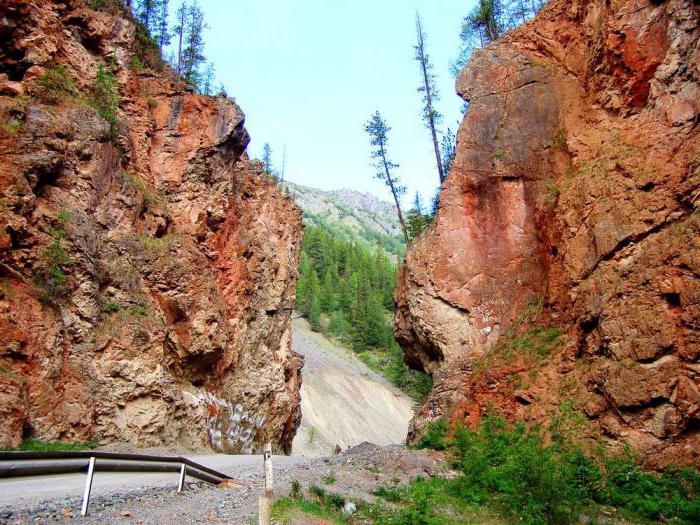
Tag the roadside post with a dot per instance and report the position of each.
(265, 501)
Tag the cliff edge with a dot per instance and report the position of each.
(564, 262)
(147, 267)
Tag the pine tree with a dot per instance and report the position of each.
(267, 158)
(448, 151)
(146, 13)
(208, 80)
(161, 32)
(378, 132)
(179, 29)
(314, 302)
(431, 117)
(192, 55)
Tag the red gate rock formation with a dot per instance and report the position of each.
(147, 268)
(564, 263)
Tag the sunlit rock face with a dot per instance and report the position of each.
(171, 322)
(573, 203)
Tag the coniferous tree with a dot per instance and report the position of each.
(208, 80)
(179, 29)
(267, 158)
(192, 55)
(488, 21)
(378, 132)
(146, 13)
(431, 117)
(161, 31)
(448, 151)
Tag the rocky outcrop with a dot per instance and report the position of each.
(147, 266)
(564, 262)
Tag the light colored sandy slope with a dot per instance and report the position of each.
(342, 401)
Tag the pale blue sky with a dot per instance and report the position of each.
(309, 73)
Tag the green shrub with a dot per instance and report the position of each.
(50, 277)
(37, 445)
(329, 480)
(111, 307)
(57, 84)
(541, 475)
(105, 97)
(295, 489)
(435, 436)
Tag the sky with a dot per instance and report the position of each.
(309, 73)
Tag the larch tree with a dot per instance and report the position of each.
(193, 53)
(145, 13)
(431, 117)
(208, 80)
(448, 146)
(267, 158)
(161, 31)
(179, 30)
(378, 132)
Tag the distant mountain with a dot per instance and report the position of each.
(352, 214)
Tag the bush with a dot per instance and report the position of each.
(105, 97)
(57, 84)
(540, 475)
(50, 277)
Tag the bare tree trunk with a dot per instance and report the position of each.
(429, 97)
(390, 181)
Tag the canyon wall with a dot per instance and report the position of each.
(147, 266)
(564, 262)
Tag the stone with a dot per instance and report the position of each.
(572, 202)
(172, 324)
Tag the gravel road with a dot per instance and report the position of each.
(358, 471)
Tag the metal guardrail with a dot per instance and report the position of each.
(45, 463)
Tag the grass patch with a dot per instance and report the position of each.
(149, 198)
(36, 445)
(57, 85)
(499, 154)
(329, 479)
(552, 192)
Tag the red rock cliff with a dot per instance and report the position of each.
(147, 271)
(572, 209)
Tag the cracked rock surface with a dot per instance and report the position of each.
(574, 192)
(147, 270)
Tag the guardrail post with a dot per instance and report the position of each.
(265, 502)
(181, 484)
(88, 487)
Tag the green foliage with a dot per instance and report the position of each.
(50, 277)
(389, 363)
(11, 127)
(311, 434)
(552, 192)
(499, 154)
(329, 480)
(149, 198)
(352, 286)
(36, 445)
(111, 307)
(488, 20)
(541, 475)
(57, 84)
(295, 489)
(105, 97)
(434, 436)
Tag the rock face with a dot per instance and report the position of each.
(147, 268)
(570, 220)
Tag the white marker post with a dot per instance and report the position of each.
(265, 502)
